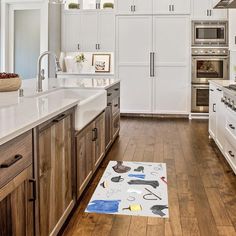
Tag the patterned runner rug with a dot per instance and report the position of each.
(132, 188)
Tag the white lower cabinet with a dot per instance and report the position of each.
(222, 125)
(217, 118)
(153, 64)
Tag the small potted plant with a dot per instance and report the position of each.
(80, 59)
(107, 5)
(9, 82)
(73, 5)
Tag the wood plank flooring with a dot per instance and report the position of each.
(201, 185)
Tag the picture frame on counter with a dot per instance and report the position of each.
(102, 63)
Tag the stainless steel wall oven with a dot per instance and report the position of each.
(207, 64)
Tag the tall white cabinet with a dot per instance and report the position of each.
(153, 56)
(134, 42)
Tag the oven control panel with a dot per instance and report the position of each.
(229, 100)
(210, 51)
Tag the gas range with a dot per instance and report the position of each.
(229, 98)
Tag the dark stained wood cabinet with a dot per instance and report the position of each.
(99, 140)
(16, 205)
(112, 116)
(55, 163)
(16, 187)
(90, 150)
(85, 155)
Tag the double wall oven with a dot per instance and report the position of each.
(208, 62)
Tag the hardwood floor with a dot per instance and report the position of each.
(201, 185)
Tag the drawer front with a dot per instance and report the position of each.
(231, 124)
(115, 105)
(15, 156)
(230, 154)
(113, 92)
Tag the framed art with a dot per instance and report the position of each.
(102, 63)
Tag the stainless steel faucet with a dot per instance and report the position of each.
(41, 72)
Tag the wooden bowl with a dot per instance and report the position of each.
(10, 84)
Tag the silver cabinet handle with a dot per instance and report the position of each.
(134, 8)
(131, 8)
(78, 46)
(207, 12)
(173, 7)
(99, 46)
(210, 12)
(169, 7)
(150, 64)
(153, 64)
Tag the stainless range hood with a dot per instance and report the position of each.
(225, 4)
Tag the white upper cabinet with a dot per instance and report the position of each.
(203, 9)
(106, 31)
(124, 6)
(142, 6)
(134, 6)
(181, 7)
(71, 32)
(232, 29)
(171, 7)
(88, 31)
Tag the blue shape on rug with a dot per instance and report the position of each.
(139, 176)
(104, 206)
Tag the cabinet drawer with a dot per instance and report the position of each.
(115, 105)
(15, 156)
(230, 154)
(113, 92)
(231, 124)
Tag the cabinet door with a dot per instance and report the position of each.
(72, 33)
(108, 125)
(89, 31)
(124, 6)
(55, 157)
(171, 90)
(201, 9)
(220, 119)
(106, 31)
(143, 7)
(100, 139)
(16, 209)
(212, 111)
(133, 61)
(181, 7)
(221, 14)
(171, 49)
(232, 30)
(84, 157)
(162, 7)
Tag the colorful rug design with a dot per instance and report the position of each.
(132, 188)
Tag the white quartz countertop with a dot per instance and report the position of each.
(30, 111)
(222, 83)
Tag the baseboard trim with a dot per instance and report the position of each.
(181, 116)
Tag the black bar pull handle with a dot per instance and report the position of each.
(11, 161)
(231, 154)
(95, 134)
(231, 126)
(33, 181)
(59, 118)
